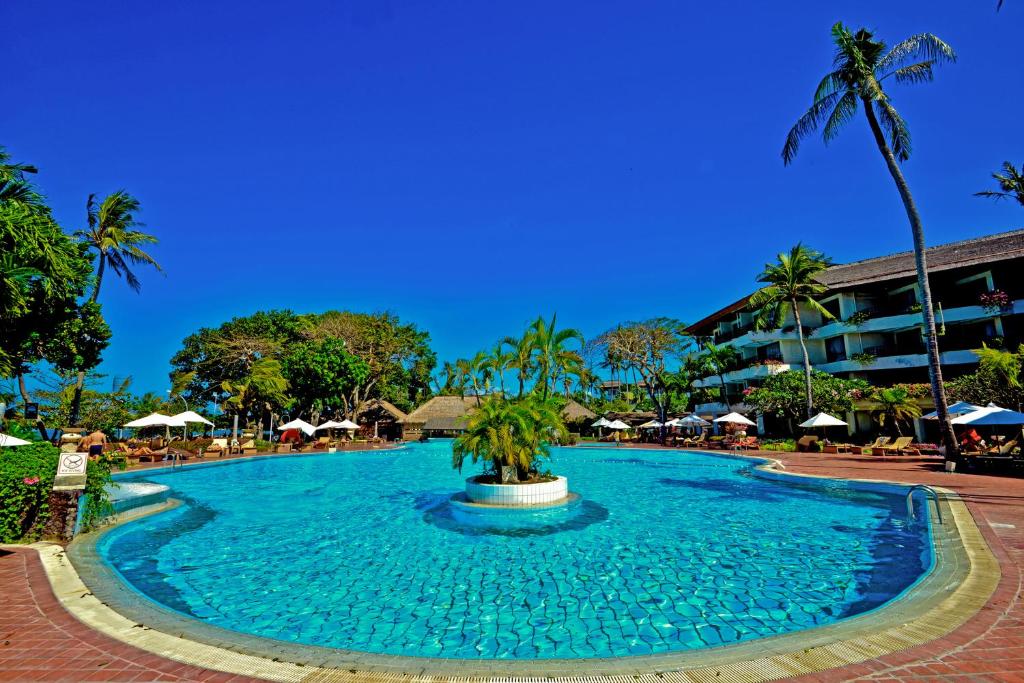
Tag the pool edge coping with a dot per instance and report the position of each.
(876, 633)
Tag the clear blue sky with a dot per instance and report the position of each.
(469, 165)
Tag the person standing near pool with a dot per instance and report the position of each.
(95, 443)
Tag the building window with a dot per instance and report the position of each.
(835, 349)
(770, 352)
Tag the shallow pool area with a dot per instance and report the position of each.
(664, 551)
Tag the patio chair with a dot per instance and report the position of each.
(699, 440)
(220, 447)
(323, 443)
(248, 447)
(898, 446)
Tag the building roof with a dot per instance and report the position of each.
(999, 247)
(445, 424)
(441, 406)
(574, 411)
(389, 408)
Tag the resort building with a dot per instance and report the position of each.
(876, 335)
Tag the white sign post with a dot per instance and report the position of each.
(71, 472)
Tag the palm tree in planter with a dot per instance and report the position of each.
(510, 434)
(860, 66)
(717, 360)
(896, 407)
(789, 283)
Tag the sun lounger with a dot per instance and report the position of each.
(248, 448)
(897, 447)
(219, 447)
(700, 440)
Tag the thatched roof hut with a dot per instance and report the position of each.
(382, 407)
(439, 414)
(575, 412)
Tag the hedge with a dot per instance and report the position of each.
(26, 482)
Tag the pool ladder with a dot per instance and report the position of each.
(928, 491)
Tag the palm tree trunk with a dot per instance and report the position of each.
(921, 261)
(721, 392)
(99, 277)
(807, 358)
(23, 390)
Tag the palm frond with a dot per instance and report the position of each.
(895, 128)
(845, 110)
(915, 73)
(922, 46)
(808, 124)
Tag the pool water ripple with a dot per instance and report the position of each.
(666, 551)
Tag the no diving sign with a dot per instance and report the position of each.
(71, 472)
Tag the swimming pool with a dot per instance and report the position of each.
(665, 551)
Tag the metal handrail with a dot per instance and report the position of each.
(928, 490)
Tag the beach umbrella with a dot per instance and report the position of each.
(330, 424)
(693, 420)
(651, 424)
(601, 423)
(823, 420)
(190, 416)
(157, 420)
(991, 416)
(348, 424)
(956, 409)
(618, 424)
(8, 441)
(302, 425)
(735, 418)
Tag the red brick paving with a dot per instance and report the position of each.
(41, 641)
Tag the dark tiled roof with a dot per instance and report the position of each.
(1000, 247)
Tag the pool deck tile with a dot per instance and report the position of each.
(39, 640)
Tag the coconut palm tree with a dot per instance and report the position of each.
(789, 283)
(114, 235)
(860, 67)
(1011, 184)
(521, 350)
(551, 351)
(499, 361)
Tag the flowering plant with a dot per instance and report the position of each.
(30, 481)
(994, 301)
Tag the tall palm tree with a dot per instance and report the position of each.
(896, 407)
(114, 235)
(500, 361)
(521, 350)
(1011, 184)
(552, 354)
(789, 283)
(861, 65)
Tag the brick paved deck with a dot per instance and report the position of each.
(41, 641)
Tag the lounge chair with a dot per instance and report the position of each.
(283, 448)
(700, 440)
(323, 443)
(898, 446)
(803, 444)
(873, 448)
(248, 447)
(220, 447)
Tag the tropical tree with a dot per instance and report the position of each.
(499, 361)
(783, 395)
(790, 283)
(715, 360)
(521, 350)
(861, 65)
(514, 433)
(896, 407)
(321, 375)
(1011, 184)
(647, 347)
(552, 355)
(263, 389)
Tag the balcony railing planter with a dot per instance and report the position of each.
(857, 319)
(995, 301)
(864, 359)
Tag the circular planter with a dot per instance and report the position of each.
(517, 495)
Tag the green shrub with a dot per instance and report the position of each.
(26, 481)
(783, 445)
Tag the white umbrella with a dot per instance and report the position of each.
(601, 423)
(735, 418)
(8, 441)
(992, 416)
(156, 420)
(959, 408)
(651, 424)
(618, 424)
(330, 424)
(347, 424)
(693, 420)
(298, 424)
(192, 416)
(823, 420)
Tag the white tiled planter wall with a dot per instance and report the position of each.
(517, 494)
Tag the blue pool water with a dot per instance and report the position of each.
(665, 551)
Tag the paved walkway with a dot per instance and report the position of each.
(39, 640)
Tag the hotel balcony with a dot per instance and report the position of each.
(751, 372)
(898, 362)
